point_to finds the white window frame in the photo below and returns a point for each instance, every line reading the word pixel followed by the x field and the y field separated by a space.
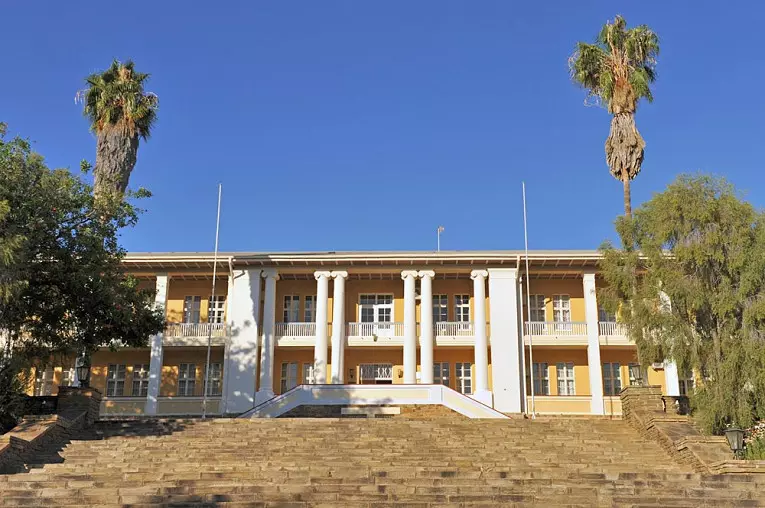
pixel 374 372
pixel 604 316
pixel 562 312
pixel 216 377
pixel 216 309
pixel 309 309
pixel 192 309
pixel 440 308
pixel 538 310
pixel 291 309
pixel 612 378
pixel 441 373
pixel 381 305
pixel 308 377
pixel 462 308
pixel 463 376
pixel 289 376
pixel 687 384
pixel 115 379
pixel 67 376
pixel 541 371
pixel 187 379
pixel 633 379
pixel 140 385
pixel 43 382
pixel 566 380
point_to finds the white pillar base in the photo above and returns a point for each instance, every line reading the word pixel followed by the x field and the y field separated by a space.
pixel 262 396
pixel 484 397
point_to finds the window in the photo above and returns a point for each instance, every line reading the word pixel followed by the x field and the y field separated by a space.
pixel 441 373
pixel 376 308
pixel 43 381
pixel 214 385
pixel 537 308
pixel 191 306
pixel 291 308
pixel 308 378
pixel 604 316
pixel 115 380
pixel 440 308
pixel 289 376
pixel 462 308
pixel 376 373
pixel 309 313
pixel 67 376
pixel 141 380
pixel 216 309
pixel 464 378
pixel 187 379
pixel 562 308
pixel 687 384
pixel 612 379
pixel 565 378
pixel 633 379
pixel 541 379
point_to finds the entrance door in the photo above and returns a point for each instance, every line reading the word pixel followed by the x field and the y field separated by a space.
pixel 376 373
pixel 377 311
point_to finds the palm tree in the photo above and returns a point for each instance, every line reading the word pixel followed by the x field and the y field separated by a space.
pixel 617 71
pixel 120 114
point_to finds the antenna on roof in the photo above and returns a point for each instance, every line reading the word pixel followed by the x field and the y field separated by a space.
pixel 438 238
pixel 206 384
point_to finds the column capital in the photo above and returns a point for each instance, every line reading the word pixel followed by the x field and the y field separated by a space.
pixel 270 273
pixel 341 274
pixel 426 273
pixel 409 273
pixel 318 275
pixel 479 274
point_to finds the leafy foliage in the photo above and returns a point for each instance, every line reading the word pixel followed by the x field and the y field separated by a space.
pixel 691 288
pixel 62 287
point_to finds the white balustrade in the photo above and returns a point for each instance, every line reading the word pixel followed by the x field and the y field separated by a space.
pixel 454 329
pixel 174 330
pixel 378 329
pixel 610 328
pixel 295 329
pixel 555 328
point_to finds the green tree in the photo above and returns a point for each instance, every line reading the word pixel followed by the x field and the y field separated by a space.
pixel 617 71
pixel 699 294
pixel 121 113
pixel 63 290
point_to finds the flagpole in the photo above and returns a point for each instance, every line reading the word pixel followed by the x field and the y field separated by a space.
pixel 438 238
pixel 528 303
pixel 206 382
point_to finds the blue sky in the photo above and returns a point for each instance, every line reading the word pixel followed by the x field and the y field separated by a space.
pixel 345 125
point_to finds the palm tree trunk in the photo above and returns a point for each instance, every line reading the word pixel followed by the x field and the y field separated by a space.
pixel 116 154
pixel 627 195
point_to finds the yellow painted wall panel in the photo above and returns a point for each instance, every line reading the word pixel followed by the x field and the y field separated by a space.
pixel 548 288
pixel 552 356
pixel 174 357
pixel 128 357
pixel 179 289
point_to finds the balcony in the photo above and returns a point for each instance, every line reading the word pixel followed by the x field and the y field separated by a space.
pixel 613 334
pixel 450 333
pixel 375 334
pixel 295 334
pixel 195 334
pixel 555 333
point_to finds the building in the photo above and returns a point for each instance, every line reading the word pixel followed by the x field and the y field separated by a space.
pixel 455 318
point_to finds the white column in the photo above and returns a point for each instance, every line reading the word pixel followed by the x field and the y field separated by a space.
pixel 320 347
pixel 227 345
pixel 593 344
pixel 482 392
pixel 266 386
pixel 426 326
pixel 155 364
pixel 338 327
pixel 410 327
pixel 506 342
pixel 671 377
pixel 244 315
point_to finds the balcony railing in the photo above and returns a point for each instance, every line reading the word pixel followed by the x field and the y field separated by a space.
pixel 609 328
pixel 555 328
pixel 175 330
pixel 295 329
pixel 378 329
pixel 454 329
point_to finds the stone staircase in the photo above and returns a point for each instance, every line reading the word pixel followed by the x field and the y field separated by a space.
pixel 368 462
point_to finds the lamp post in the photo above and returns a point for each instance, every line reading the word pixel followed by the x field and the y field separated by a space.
pixel 735 437
pixel 82 366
